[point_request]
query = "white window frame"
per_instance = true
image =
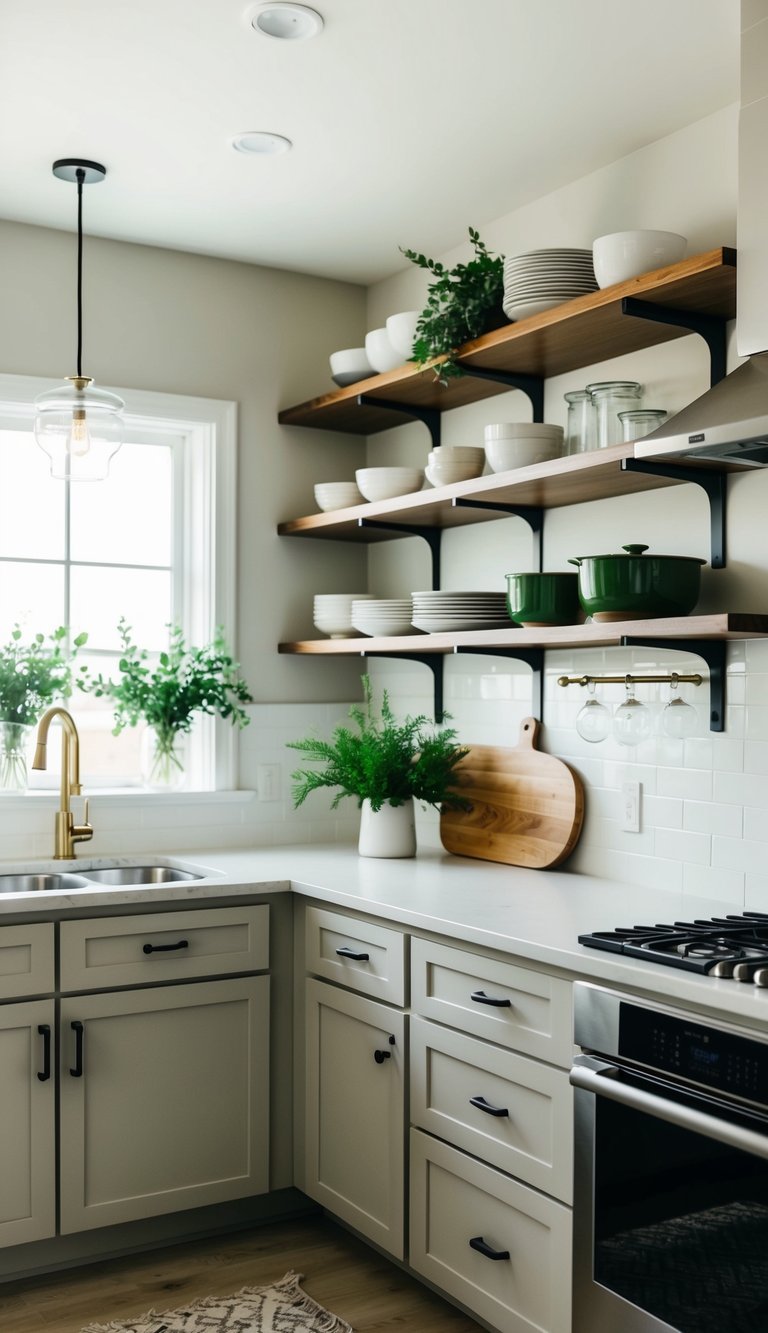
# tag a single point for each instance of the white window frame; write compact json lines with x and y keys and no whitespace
{"x":206,"y":553}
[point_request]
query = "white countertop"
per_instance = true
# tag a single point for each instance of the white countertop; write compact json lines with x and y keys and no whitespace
{"x":531,"y":914}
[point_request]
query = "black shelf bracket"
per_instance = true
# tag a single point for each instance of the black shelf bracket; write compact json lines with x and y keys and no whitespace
{"x":712,"y":328}
{"x":533,"y":657}
{"x":432,"y":536}
{"x":532,"y":385}
{"x":713,"y":653}
{"x":435,"y":663}
{"x":428,"y":415}
{"x":713,"y":483}
{"x":532,"y":514}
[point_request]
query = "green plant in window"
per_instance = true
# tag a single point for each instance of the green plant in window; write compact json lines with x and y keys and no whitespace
{"x":33,"y":675}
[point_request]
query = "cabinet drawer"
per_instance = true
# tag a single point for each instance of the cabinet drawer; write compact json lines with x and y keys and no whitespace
{"x":524,"y":1122}
{"x":454,"y":1200}
{"x":513,"y":1006}
{"x":367,"y":958}
{"x":163,"y":946}
{"x":26,"y":960}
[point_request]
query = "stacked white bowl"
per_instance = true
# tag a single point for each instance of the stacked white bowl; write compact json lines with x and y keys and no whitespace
{"x":336,"y":495}
{"x":401,"y":331}
{"x":383,"y":616}
{"x":543,"y":279}
{"x":513,"y":444}
{"x":380,"y":352}
{"x":383,"y":483}
{"x":333,"y":613}
{"x":350,"y":365}
{"x":449,"y":463}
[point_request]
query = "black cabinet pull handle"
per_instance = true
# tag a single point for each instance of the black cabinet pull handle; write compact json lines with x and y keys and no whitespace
{"x":477,"y":1243}
{"x":344,"y":952}
{"x":483,"y":1105}
{"x":480,"y":997}
{"x":77,"y":1028}
{"x":45,"y":1033}
{"x":381,"y":1056}
{"x":166,"y":948}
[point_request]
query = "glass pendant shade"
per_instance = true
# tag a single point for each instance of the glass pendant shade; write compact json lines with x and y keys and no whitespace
{"x":80,"y":427}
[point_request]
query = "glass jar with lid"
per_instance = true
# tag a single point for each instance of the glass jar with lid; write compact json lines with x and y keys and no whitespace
{"x":580,"y":426}
{"x":640,"y":421}
{"x":610,"y":397}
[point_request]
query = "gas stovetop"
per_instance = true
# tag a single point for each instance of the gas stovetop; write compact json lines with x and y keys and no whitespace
{"x":734,"y":946}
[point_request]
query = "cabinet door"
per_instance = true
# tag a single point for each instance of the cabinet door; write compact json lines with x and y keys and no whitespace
{"x":354,"y":1112}
{"x":165,"y":1104}
{"x":27,"y":1130}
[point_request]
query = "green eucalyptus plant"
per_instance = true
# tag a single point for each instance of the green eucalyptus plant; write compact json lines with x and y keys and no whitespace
{"x":462,"y":303}
{"x":33,"y":675}
{"x":384,"y":761}
{"x":184,"y":682}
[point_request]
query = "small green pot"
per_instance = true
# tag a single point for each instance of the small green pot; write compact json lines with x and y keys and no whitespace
{"x":636,"y":586}
{"x":543,"y":599}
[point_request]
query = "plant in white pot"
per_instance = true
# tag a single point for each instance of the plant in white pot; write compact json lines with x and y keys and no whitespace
{"x":33,"y":675}
{"x":385,"y":766}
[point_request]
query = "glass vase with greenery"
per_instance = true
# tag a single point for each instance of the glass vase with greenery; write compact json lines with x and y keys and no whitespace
{"x":168,"y":690}
{"x":463,"y":302}
{"x":33,"y":675}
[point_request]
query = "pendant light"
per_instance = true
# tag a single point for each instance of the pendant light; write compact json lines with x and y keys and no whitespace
{"x":78,"y":425}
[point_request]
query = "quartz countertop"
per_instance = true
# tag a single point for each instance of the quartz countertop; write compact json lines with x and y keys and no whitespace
{"x":535,"y":915}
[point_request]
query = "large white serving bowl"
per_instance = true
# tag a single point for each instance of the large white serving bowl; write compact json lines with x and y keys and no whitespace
{"x":625,"y":254}
{"x":336,"y":495}
{"x":350,"y":365}
{"x":380,"y":352}
{"x":383,"y":483}
{"x":401,"y":331}
{"x":522,"y":430}
{"x":503,"y":455}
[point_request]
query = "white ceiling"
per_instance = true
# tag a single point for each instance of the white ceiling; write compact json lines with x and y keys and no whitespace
{"x":410,"y":118}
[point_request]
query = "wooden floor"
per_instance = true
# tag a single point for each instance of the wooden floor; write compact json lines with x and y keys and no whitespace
{"x":340,"y":1272}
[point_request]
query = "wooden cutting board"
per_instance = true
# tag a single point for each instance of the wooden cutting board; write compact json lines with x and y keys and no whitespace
{"x":527,"y":807}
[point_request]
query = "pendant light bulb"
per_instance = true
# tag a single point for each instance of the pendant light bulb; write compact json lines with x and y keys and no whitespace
{"x":79,"y":426}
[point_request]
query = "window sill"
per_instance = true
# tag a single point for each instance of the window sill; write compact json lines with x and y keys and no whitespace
{"x":113,"y":796}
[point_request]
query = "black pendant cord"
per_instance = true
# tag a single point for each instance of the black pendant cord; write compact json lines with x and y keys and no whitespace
{"x":80,"y":181}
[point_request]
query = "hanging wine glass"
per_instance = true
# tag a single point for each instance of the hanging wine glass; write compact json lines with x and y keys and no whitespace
{"x":593,"y":721}
{"x":631,"y":720}
{"x":679,"y":719}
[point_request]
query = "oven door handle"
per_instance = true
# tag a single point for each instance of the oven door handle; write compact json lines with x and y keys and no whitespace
{"x":602,"y":1079}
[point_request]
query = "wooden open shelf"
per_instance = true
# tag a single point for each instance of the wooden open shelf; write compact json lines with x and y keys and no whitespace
{"x":577,"y":333}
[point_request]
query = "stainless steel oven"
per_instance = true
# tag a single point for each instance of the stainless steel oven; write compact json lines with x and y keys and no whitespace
{"x":671,"y":1185}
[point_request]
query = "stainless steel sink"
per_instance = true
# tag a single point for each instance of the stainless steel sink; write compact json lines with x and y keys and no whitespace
{"x":125,"y":875}
{"x":38,"y":883}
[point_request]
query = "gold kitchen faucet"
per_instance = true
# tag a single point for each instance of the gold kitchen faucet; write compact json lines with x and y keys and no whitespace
{"x":67,"y":832}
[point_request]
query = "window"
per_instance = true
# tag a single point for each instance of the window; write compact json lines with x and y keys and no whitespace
{"x":153,"y":543}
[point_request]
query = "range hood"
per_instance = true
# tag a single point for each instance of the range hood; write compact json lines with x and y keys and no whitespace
{"x":729,"y":423}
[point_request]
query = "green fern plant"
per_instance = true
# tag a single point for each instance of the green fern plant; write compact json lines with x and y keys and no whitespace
{"x":384,"y":761}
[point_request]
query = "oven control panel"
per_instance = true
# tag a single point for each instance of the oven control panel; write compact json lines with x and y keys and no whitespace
{"x":716,"y":1059}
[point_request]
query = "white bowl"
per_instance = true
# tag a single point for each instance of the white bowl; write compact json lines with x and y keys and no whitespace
{"x":523,"y":430}
{"x":383,"y":483}
{"x":401,"y":331}
{"x":625,"y":254}
{"x":457,"y":453}
{"x":336,"y":495}
{"x":380,"y":351}
{"x":446,"y":476}
{"x":506,"y":454}
{"x":350,"y":365}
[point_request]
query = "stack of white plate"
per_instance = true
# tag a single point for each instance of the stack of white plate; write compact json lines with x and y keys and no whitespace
{"x":443,"y":612}
{"x":333,"y":613}
{"x":543,"y":279}
{"x":382,"y":616}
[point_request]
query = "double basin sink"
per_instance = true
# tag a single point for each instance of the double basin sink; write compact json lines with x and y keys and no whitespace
{"x":109,"y":876}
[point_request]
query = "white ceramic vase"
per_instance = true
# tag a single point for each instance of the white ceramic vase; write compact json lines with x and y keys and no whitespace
{"x":390,"y":831}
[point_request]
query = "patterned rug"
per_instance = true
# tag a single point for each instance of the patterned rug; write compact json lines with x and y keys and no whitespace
{"x":280,"y":1308}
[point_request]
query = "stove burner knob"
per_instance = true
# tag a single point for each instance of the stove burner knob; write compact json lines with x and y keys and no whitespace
{"x":760,"y":977}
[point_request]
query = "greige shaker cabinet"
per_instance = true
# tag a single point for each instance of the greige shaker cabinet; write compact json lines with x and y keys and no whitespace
{"x":27,"y":1122}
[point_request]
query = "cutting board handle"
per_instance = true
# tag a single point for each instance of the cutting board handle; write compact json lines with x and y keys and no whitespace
{"x":529,"y":733}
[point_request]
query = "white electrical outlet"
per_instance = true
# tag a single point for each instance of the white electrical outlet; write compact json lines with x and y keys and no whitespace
{"x":268,"y":782}
{"x":630,"y":806}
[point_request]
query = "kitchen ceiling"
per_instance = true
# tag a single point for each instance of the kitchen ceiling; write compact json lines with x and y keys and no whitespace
{"x":410,"y":119}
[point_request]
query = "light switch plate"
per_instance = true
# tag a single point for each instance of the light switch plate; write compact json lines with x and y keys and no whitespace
{"x":630,"y":806}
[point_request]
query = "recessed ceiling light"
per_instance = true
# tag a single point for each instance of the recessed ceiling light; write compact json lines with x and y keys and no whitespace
{"x":261,"y":143}
{"x":288,"y":22}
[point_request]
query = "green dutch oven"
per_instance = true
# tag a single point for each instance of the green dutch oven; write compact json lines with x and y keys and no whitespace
{"x":636,"y":586}
{"x":543,"y":599}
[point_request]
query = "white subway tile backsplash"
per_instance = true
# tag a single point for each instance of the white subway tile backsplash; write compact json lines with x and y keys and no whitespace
{"x":756,"y":892}
{"x":661,"y":811}
{"x":748,"y":789}
{"x":711,"y":817}
{"x":740,"y":854}
{"x":680,"y":845}
{"x":692,"y":784}
{"x":714,"y":882}
{"x":756,"y":757}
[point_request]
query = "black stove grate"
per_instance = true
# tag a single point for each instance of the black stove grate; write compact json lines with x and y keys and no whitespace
{"x":733,"y":946}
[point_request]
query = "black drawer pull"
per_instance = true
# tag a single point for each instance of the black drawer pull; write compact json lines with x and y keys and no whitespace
{"x":45,"y":1033}
{"x":381,"y":1056}
{"x":166,"y":948}
{"x":344,"y":952}
{"x":477,"y":1243}
{"x":77,"y":1028}
{"x":483,"y":1105}
{"x":480,"y":997}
